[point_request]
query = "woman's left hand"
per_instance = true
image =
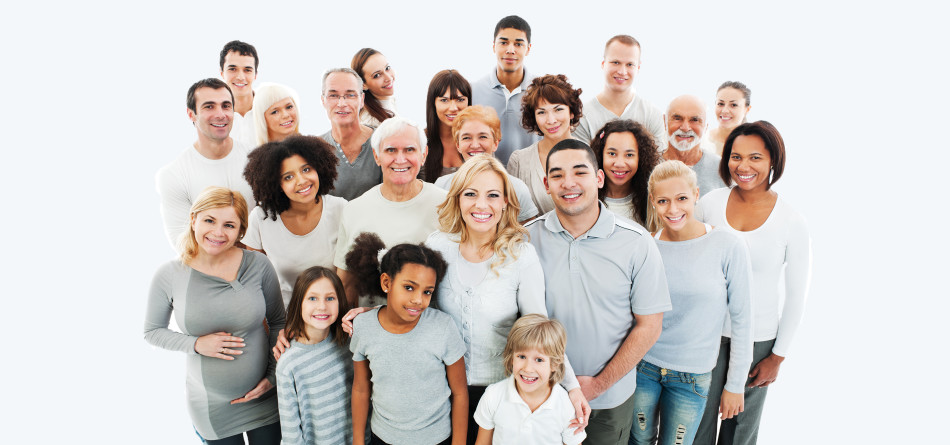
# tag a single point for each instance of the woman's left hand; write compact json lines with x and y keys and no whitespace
{"x":766,"y":371}
{"x":581,"y":410}
{"x":263,"y":386}
{"x":348,"y":318}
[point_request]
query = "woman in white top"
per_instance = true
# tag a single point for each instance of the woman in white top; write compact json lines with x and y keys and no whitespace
{"x":379,"y":80}
{"x":780,"y":252}
{"x":627,"y":154}
{"x":733,"y":103}
{"x":277,"y":113}
{"x":296,"y":222}
{"x":551,"y":107}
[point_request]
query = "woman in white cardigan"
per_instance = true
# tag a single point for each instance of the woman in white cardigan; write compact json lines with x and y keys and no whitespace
{"x":753,"y":158}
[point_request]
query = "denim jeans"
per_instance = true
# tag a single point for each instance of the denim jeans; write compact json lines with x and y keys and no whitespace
{"x":667,"y":401}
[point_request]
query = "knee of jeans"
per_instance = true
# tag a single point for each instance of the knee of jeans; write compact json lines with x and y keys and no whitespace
{"x":680,"y":436}
{"x":641,"y":420}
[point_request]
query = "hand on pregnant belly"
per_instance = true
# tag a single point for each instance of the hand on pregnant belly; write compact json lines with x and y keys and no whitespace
{"x":219,"y":345}
{"x":263,"y":386}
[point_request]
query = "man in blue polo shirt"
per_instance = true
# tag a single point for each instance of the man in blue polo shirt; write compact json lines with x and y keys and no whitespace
{"x":502,"y":89}
{"x":604,"y":280}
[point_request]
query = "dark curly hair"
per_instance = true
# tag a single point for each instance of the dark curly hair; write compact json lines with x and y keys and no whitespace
{"x":647,"y":159}
{"x":555,"y":89}
{"x":363,"y":263}
{"x":263,"y":170}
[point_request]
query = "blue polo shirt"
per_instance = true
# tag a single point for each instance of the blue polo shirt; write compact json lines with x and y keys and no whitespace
{"x":594,"y":284}
{"x":490,"y":92}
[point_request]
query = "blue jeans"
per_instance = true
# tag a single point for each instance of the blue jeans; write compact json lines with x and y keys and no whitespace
{"x":669,"y":401}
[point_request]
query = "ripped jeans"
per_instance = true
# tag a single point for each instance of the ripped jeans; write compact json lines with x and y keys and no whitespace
{"x":667,"y":401}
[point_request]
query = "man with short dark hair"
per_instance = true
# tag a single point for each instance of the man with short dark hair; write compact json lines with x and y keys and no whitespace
{"x":503,"y":88}
{"x":686,"y":124}
{"x":213,"y":160}
{"x":610,"y":299}
{"x":239,"y":62}
{"x":619,"y":100}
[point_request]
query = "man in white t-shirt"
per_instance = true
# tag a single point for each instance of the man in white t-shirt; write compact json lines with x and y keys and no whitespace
{"x":213,"y":160}
{"x":239,"y":63}
{"x":685,"y":125}
{"x":619,"y":100}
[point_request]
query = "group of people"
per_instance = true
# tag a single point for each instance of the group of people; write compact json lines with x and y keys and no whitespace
{"x":525,"y":268}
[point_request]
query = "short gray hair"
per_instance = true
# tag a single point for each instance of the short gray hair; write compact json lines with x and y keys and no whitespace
{"x":394,"y":125}
{"x":323,"y":88}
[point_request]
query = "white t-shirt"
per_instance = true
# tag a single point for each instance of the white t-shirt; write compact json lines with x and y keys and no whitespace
{"x":180,"y":182}
{"x":292,"y":254}
{"x":242,"y":129}
{"x":638,"y":110}
{"x":502,"y":409}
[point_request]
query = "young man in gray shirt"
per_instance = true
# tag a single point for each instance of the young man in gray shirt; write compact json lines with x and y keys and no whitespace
{"x":604,"y":280}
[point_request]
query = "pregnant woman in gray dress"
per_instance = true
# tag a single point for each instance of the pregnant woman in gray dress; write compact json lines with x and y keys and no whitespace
{"x":221,"y":297}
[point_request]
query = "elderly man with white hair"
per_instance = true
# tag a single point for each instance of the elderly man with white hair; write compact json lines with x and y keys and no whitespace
{"x":400,"y":210}
{"x":343,"y":99}
{"x":685,"y":125}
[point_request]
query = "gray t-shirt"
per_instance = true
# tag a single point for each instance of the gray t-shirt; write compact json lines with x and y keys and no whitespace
{"x":528,"y":209}
{"x":594,"y":285}
{"x":410,"y":387}
{"x":707,"y":172}
{"x":203,"y":304}
{"x":353,"y":178}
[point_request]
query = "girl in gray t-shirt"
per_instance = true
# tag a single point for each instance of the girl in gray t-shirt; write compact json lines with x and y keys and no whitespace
{"x":411,"y":354}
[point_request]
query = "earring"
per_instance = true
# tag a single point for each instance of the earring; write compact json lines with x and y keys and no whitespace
{"x":385,"y":291}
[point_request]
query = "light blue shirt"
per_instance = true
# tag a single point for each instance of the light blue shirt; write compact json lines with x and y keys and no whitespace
{"x":595,"y":284}
{"x":489,"y":91}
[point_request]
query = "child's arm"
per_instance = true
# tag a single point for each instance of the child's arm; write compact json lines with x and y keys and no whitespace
{"x":484,"y":436}
{"x":361,"y":391}
{"x":459,"y":386}
{"x":288,"y":408}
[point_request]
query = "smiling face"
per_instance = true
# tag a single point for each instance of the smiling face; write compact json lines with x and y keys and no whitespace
{"x":299,"y":180}
{"x":482,"y":202}
{"x":214,"y":114}
{"x":674,"y":201}
{"x":239,"y":73}
{"x":620,"y":158}
{"x":685,"y":123}
{"x":342,"y":98}
{"x":378,"y":76}
{"x":621,"y":65}
{"x":554,"y":120}
{"x":475,"y":138}
{"x":400,"y":157}
{"x":320,"y":308}
{"x":511,"y":47}
{"x":750,"y":163}
{"x":216,"y":230}
{"x":572,"y":181}
{"x":731,"y":107}
{"x":446,"y":108}
{"x":281,"y":119}
{"x":532,"y":372}
{"x":408,"y":293}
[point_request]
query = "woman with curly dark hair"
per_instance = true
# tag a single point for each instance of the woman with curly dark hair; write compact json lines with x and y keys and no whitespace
{"x":551,"y":107}
{"x":627,"y":154}
{"x":295,"y":223}
{"x":379,"y":80}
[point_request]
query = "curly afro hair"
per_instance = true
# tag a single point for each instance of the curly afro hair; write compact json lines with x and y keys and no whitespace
{"x":264,"y":164}
{"x":362,"y":261}
{"x":554,"y":89}
{"x":647,"y":159}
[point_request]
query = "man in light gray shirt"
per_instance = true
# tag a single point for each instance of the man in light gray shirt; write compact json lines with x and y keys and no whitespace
{"x":619,"y":100}
{"x":685,"y":124}
{"x":504,"y":87}
{"x":357,"y":171}
{"x":604,"y":280}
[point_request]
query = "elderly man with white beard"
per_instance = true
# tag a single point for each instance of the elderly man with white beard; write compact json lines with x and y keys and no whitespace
{"x":685,"y":125}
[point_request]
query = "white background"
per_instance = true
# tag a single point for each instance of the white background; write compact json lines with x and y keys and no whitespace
{"x":94,"y":106}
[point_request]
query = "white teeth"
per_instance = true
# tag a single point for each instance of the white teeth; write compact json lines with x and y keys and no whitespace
{"x":219,"y":125}
{"x":287,"y":124}
{"x":306,"y":189}
{"x":240,"y":84}
{"x":572,"y":196}
{"x":676,"y":219}
{"x":481,"y":217}
{"x":400,"y":170}
{"x":746,"y":178}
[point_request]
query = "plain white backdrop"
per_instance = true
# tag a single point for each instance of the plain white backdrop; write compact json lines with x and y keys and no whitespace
{"x":94,"y":106}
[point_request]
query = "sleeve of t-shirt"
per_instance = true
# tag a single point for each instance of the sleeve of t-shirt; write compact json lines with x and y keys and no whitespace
{"x":528,"y":209}
{"x":356,"y":342}
{"x":658,"y":129}
{"x":797,"y":282}
{"x":738,"y":273}
{"x":454,"y":347}
{"x":252,"y":238}
{"x":514,"y":165}
{"x":343,"y":243}
{"x":699,"y":212}
{"x":582,"y":132}
{"x":158,"y":311}
{"x":288,"y":407}
{"x":566,"y":415}
{"x":649,"y":293}
{"x":485,"y":412}
{"x":175,"y":205}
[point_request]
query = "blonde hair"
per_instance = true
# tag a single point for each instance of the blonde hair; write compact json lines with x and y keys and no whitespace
{"x":509,"y":234}
{"x":663,"y":171}
{"x":265,"y":97}
{"x":480,"y":113}
{"x":535,"y":331}
{"x":212,"y":198}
